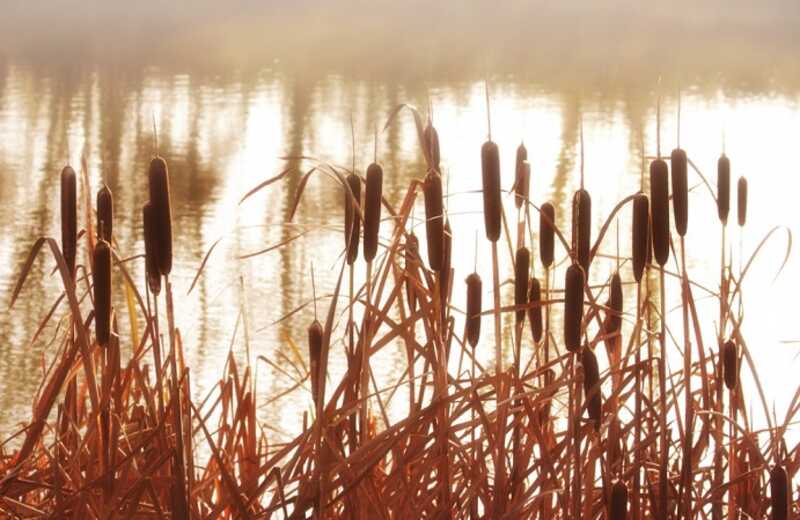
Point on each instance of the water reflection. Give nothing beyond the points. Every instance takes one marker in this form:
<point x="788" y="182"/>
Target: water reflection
<point x="223" y="135"/>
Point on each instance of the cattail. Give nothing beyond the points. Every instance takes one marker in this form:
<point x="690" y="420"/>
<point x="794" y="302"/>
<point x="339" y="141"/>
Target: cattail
<point x="444" y="282"/>
<point x="522" y="176"/>
<point x="573" y="307"/>
<point x="474" y="296"/>
<point x="591" y="389"/>
<point x="434" y="220"/>
<point x="730" y="364"/>
<point x="492" y="205"/>
<point x="640" y="240"/>
<point x="69" y="217"/>
<point x="431" y="137"/>
<point x="150" y="252"/>
<point x="162" y="212"/>
<point x="779" y="493"/>
<point x="535" y="309"/>
<point x="680" y="189"/>
<point x="659" y="199"/>
<point x="352" y="217"/>
<point x="521" y="267"/>
<point x="582" y="227"/>
<point x="411" y="256"/>
<point x="614" y="318"/>
<point x="101" y="276"/>
<point x="741" y="201"/>
<point x="619" y="501"/>
<point x="723" y="187"/>
<point x="372" y="210"/>
<point x="547" y="222"/>
<point x="314" y="355"/>
<point x="105" y="213"/>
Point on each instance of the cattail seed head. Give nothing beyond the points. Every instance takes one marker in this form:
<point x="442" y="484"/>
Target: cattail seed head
<point x="591" y="390"/>
<point x="431" y="137"/>
<point x="723" y="187"/>
<point x="730" y="364"/>
<point x="659" y="200"/>
<point x="444" y="282"/>
<point x="160" y="199"/>
<point x="315" y="355"/>
<point x="779" y="493"/>
<point x="535" y="310"/>
<point x="741" y="201"/>
<point x="613" y="321"/>
<point x="547" y="221"/>
<point x="372" y="210"/>
<point x="680" y="189"/>
<point x="492" y="204"/>
<point x="69" y="217"/>
<point x="434" y="219"/>
<point x="352" y="217"/>
<point x="150" y="252"/>
<point x="101" y="278"/>
<point x="522" y="176"/>
<point x="619" y="501"/>
<point x="640" y="243"/>
<point x="573" y="307"/>
<point x="474" y="297"/>
<point x="582" y="227"/>
<point x="522" y="266"/>
<point x="411" y="257"/>
<point x="105" y="213"/>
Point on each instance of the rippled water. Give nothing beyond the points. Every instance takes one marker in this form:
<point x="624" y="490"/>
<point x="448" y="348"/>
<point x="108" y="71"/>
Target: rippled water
<point x="223" y="133"/>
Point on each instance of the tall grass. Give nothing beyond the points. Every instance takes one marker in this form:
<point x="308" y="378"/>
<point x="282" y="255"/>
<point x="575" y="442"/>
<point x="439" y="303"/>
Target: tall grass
<point x="591" y="427"/>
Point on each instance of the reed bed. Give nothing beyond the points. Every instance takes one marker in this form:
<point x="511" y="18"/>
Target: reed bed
<point x="592" y="425"/>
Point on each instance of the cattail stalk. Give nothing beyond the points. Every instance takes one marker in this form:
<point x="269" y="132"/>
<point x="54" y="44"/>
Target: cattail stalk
<point x="105" y="213"/>
<point x="573" y="307"/>
<point x="372" y="210"/>
<point x="101" y="278"/>
<point x="69" y="218"/>
<point x="160" y="199"/>
<point x="352" y="217"/>
<point x="434" y="219"/>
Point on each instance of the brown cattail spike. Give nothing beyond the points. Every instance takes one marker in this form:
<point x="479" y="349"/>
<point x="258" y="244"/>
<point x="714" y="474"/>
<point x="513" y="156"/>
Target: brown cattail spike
<point x="640" y="243"/>
<point x="411" y="259"/>
<point x="69" y="217"/>
<point x="591" y="388"/>
<point x="474" y="296"/>
<point x="680" y="189"/>
<point x="314" y="356"/>
<point x="582" y="227"/>
<point x="779" y="493"/>
<point x="431" y="137"/>
<point x="352" y="217"/>
<point x="723" y="187"/>
<point x="619" y="501"/>
<point x="101" y="278"/>
<point x="150" y="252"/>
<point x="730" y="364"/>
<point x="614" y="318"/>
<point x="741" y="201"/>
<point x="522" y="266"/>
<point x="492" y="204"/>
<point x="434" y="220"/>
<point x="547" y="221"/>
<point x="372" y="210"/>
<point x="535" y="309"/>
<point x="444" y="282"/>
<point x="573" y="307"/>
<point x="659" y="200"/>
<point x="162" y="213"/>
<point x="105" y="213"/>
<point x="522" y="175"/>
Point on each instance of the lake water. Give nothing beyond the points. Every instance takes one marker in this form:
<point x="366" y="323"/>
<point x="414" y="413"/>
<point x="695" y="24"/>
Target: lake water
<point x="223" y="129"/>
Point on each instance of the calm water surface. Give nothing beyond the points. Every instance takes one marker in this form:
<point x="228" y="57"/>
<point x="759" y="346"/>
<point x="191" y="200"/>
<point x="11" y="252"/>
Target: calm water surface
<point x="224" y="133"/>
